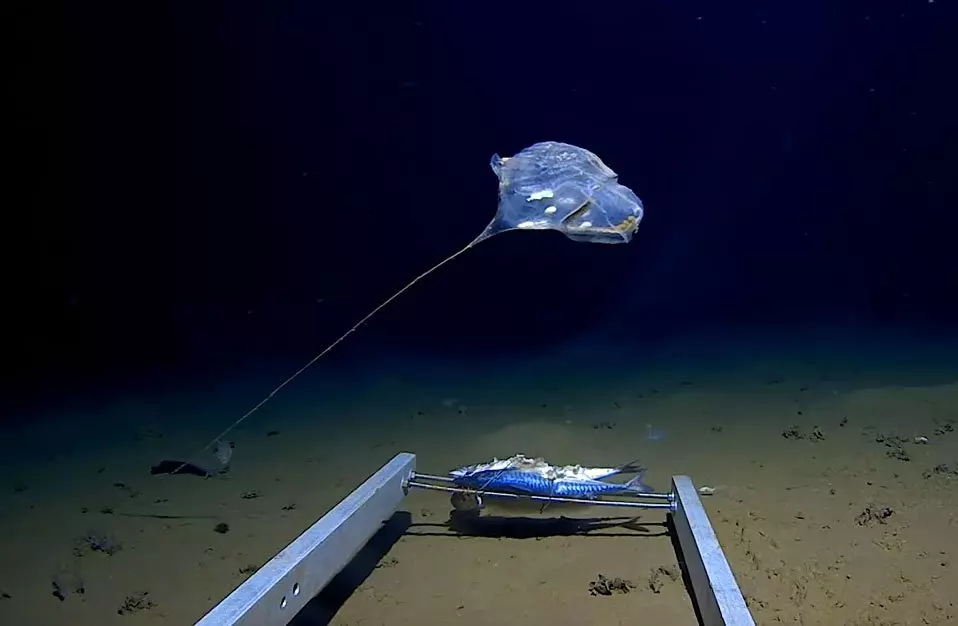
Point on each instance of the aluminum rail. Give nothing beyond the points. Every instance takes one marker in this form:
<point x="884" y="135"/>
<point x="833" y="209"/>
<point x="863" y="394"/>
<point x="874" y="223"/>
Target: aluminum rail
<point x="281" y="588"/>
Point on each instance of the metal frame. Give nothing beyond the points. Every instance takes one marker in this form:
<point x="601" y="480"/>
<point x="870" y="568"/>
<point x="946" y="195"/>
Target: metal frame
<point x="281" y="588"/>
<point x="714" y="588"/>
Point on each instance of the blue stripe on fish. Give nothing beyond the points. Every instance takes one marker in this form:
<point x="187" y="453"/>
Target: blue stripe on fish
<point x="534" y="484"/>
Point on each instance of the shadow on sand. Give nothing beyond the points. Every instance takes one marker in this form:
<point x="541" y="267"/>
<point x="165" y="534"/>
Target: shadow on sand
<point x="321" y="610"/>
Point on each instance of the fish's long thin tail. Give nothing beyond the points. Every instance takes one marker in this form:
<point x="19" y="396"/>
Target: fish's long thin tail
<point x="312" y="361"/>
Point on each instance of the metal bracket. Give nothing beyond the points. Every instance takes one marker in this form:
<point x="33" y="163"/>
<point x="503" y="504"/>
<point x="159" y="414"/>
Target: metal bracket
<point x="714" y="588"/>
<point x="281" y="588"/>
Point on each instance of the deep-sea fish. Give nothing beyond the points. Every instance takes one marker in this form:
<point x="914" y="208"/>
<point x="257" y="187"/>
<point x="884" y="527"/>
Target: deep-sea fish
<point x="534" y="476"/>
<point x="540" y="466"/>
<point x="535" y="484"/>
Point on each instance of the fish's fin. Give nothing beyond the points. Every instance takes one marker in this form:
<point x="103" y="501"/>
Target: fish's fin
<point x="632" y="467"/>
<point x="636" y="485"/>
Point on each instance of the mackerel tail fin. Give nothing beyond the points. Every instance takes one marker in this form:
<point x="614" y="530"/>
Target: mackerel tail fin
<point x="636" y="485"/>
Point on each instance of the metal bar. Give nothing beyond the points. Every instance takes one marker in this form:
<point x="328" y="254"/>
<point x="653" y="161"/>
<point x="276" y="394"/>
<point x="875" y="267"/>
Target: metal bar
<point x="274" y="594"/>
<point x="717" y="594"/>
<point x="441" y="479"/>
<point x="518" y="496"/>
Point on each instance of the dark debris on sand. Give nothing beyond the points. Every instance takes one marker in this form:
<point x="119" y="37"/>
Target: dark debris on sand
<point x="796" y="432"/>
<point x="65" y="583"/>
<point x="135" y="603"/>
<point x="942" y="469"/>
<point x="661" y="574"/>
<point x="97" y="542"/>
<point x="873" y="514"/>
<point x="607" y="586"/>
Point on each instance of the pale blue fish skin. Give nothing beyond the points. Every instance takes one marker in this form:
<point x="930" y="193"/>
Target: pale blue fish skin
<point x="534" y="484"/>
<point x="629" y="468"/>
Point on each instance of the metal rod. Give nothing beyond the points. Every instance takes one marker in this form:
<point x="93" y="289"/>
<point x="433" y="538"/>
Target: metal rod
<point x="442" y="479"/>
<point x="446" y="479"/>
<point x="517" y="496"/>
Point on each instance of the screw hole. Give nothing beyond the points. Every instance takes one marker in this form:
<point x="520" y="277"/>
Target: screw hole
<point x="282" y="603"/>
<point x="295" y="589"/>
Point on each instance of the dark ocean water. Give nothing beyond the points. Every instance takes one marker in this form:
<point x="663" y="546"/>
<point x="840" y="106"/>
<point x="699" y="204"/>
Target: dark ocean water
<point x="213" y="185"/>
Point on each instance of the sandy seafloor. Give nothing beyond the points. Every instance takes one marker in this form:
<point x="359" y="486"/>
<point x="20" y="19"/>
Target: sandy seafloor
<point x="785" y="510"/>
